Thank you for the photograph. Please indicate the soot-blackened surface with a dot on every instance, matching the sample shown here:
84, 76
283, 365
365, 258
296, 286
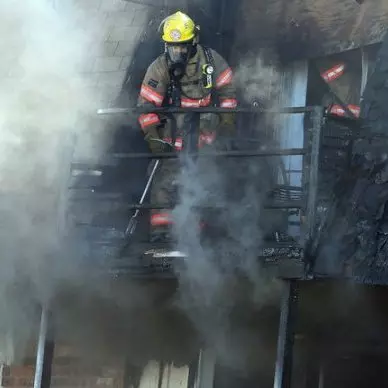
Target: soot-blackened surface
354, 241
309, 28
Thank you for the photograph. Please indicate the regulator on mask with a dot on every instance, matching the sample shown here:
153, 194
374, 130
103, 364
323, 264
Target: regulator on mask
178, 55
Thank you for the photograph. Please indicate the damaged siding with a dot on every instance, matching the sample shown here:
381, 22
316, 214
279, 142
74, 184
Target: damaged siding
123, 23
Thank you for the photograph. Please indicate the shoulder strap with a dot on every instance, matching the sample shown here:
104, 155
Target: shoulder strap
172, 98
210, 60
209, 55
173, 95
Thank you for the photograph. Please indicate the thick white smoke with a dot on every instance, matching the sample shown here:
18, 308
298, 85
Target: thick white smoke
221, 275
44, 97
258, 78
44, 100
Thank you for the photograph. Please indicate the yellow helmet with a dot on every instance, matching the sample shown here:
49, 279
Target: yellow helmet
179, 28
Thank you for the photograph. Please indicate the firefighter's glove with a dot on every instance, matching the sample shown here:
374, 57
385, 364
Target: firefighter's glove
155, 144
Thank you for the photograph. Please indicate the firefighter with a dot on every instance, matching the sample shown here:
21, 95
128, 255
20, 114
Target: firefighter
343, 79
187, 75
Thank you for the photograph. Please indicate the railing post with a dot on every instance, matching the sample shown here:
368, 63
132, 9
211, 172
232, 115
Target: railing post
314, 147
45, 351
206, 369
283, 367
192, 135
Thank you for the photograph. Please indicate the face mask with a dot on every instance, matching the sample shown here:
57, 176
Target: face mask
179, 53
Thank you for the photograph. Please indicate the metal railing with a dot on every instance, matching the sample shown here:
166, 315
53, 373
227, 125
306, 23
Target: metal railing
310, 152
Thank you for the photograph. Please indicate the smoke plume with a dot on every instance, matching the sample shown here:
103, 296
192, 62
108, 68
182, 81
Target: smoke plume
223, 274
48, 98
44, 101
258, 78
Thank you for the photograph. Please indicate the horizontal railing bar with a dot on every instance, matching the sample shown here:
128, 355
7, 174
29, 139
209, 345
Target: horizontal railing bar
297, 204
147, 245
109, 160
267, 245
174, 155
287, 188
92, 193
222, 154
210, 109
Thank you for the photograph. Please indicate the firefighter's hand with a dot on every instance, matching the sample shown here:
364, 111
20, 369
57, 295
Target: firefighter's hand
157, 145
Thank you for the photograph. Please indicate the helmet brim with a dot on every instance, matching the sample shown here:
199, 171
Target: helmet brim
168, 39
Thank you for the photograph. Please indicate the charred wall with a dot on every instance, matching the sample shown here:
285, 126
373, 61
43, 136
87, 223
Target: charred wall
308, 28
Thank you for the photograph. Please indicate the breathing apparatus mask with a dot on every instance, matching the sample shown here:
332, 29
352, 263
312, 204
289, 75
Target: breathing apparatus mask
178, 55
180, 35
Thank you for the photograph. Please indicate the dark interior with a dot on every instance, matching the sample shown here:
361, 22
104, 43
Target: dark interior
340, 341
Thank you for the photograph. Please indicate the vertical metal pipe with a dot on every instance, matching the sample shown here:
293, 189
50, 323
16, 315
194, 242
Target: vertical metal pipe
283, 367
41, 348
45, 352
364, 70
321, 381
193, 371
206, 369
